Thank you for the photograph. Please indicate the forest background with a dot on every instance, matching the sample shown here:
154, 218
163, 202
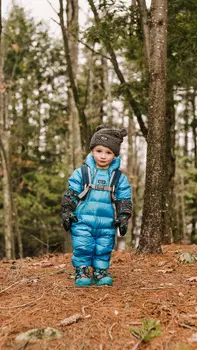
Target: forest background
55, 91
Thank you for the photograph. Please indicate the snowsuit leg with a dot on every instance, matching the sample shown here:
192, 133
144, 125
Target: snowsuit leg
104, 243
83, 245
92, 246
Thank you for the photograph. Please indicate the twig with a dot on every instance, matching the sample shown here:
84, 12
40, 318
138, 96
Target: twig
156, 288
22, 305
83, 312
136, 345
55, 21
2, 315
186, 325
110, 330
52, 7
3, 290
101, 299
23, 347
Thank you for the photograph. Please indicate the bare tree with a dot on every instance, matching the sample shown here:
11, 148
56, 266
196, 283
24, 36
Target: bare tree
5, 155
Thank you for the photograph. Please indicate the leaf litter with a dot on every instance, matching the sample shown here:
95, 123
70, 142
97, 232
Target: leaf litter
95, 318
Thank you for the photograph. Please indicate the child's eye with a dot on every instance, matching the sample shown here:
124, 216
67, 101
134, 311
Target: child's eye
109, 153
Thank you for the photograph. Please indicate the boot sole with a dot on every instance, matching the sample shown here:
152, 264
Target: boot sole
82, 284
102, 283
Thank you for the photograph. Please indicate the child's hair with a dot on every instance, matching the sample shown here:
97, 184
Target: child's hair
110, 138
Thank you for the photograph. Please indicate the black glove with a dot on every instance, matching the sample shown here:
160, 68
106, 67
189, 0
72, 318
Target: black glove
68, 206
124, 211
122, 224
67, 220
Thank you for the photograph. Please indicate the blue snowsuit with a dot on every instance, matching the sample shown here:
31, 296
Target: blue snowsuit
93, 236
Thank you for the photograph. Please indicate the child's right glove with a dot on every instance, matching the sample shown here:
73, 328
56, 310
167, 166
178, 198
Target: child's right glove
67, 219
68, 206
124, 211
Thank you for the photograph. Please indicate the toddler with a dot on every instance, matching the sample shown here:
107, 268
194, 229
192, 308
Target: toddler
93, 220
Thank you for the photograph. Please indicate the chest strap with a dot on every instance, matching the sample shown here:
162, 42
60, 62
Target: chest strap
95, 187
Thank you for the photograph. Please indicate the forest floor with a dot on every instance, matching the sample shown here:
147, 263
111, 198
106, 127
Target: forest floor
40, 293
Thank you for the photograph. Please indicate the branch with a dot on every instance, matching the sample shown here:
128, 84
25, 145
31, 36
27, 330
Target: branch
133, 103
69, 65
91, 49
52, 7
55, 21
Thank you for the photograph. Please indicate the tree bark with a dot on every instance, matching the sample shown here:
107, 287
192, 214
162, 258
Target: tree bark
74, 127
169, 217
151, 231
132, 173
107, 91
145, 27
7, 190
5, 156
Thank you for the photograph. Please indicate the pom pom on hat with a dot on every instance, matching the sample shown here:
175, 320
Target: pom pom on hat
110, 138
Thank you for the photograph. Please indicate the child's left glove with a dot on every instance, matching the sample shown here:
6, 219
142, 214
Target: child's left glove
122, 224
124, 212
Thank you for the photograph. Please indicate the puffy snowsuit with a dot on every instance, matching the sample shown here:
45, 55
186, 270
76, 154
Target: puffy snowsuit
93, 236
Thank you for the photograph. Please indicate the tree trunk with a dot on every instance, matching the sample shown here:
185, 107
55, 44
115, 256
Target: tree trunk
5, 156
169, 217
132, 173
194, 132
107, 91
74, 150
74, 127
7, 190
151, 231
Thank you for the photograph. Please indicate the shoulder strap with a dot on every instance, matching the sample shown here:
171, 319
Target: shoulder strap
114, 182
86, 181
85, 175
116, 177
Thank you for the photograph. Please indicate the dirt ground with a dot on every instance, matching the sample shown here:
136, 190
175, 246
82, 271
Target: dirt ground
40, 293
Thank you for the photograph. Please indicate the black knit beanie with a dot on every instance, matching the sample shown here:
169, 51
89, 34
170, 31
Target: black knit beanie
110, 138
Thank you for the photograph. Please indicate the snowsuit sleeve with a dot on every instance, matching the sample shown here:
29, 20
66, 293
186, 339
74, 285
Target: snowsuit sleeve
124, 189
75, 181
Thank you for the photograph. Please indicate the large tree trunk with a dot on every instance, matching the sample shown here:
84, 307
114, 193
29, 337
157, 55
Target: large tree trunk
194, 133
151, 231
74, 150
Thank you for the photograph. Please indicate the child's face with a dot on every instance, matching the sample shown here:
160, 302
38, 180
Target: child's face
103, 156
